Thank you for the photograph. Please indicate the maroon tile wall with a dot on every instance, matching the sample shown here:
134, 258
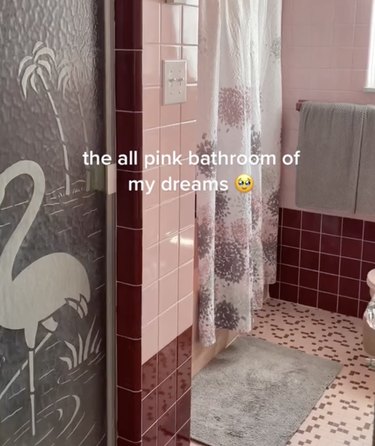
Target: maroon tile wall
128, 60
166, 394
323, 261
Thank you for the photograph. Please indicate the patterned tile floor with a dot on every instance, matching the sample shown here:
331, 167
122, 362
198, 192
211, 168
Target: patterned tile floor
344, 415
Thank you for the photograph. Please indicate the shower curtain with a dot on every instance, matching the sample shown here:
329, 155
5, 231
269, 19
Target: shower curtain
240, 113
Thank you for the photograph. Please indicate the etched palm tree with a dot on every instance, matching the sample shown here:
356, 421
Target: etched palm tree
37, 69
71, 75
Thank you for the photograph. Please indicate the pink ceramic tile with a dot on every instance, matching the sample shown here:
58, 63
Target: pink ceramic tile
364, 9
167, 175
360, 58
189, 110
187, 205
358, 79
151, 65
302, 12
151, 108
150, 226
171, 19
322, 11
151, 141
362, 36
151, 21
152, 177
186, 280
169, 218
150, 264
343, 36
168, 326
185, 313
168, 257
301, 34
187, 172
342, 58
150, 337
170, 114
189, 138
190, 26
168, 291
187, 245
190, 53
322, 34
345, 11
150, 303
170, 52
170, 139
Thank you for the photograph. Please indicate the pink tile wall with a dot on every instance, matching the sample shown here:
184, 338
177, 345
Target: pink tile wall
169, 32
325, 51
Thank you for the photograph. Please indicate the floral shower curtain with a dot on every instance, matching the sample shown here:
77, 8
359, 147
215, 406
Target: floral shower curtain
240, 113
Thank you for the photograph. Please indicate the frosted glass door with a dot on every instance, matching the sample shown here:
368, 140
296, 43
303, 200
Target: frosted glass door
52, 224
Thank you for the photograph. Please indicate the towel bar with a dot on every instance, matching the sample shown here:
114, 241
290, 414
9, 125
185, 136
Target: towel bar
299, 104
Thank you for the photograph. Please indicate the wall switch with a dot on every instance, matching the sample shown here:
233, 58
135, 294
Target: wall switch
174, 81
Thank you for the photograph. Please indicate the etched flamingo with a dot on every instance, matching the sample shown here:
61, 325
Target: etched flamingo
38, 67
45, 286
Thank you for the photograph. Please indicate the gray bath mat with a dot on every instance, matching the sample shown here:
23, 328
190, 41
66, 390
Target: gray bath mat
257, 394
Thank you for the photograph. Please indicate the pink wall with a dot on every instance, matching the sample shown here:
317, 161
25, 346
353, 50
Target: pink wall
325, 51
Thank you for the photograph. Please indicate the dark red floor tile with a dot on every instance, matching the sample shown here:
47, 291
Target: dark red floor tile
167, 362
328, 283
128, 24
369, 233
289, 274
352, 228
129, 414
327, 301
368, 252
351, 248
308, 279
183, 410
349, 287
330, 244
310, 241
183, 378
150, 375
167, 427
274, 290
331, 225
290, 237
348, 306
129, 374
292, 218
288, 292
350, 268
167, 394
290, 256
184, 346
309, 260
329, 264
366, 267
364, 292
311, 221
129, 310
149, 410
308, 297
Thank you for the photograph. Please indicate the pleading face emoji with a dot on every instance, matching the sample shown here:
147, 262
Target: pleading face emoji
244, 183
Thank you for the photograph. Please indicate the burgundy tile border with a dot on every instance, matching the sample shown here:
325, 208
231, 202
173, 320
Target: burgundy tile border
129, 133
166, 393
323, 261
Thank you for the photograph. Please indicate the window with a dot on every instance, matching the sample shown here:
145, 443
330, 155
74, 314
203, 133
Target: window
370, 85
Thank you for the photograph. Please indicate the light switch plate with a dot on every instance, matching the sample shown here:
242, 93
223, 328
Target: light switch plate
174, 81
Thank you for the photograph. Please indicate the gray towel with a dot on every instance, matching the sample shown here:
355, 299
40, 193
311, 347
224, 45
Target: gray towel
330, 143
365, 195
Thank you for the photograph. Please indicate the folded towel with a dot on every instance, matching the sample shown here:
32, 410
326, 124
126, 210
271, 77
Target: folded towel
330, 143
366, 181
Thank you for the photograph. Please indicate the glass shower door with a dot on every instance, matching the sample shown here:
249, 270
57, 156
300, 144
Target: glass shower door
52, 224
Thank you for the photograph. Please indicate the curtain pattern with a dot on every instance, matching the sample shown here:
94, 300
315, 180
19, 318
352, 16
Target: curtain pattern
240, 112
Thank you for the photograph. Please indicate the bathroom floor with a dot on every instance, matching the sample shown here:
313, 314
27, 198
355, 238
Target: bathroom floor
345, 413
